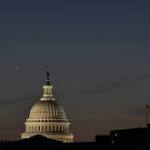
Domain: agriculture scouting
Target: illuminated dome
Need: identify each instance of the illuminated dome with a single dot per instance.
(48, 118)
(47, 110)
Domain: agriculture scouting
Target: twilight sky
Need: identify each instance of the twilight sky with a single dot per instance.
(97, 53)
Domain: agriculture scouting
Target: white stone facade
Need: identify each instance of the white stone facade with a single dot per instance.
(48, 118)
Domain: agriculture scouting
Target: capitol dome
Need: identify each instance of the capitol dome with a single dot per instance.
(47, 110)
(48, 118)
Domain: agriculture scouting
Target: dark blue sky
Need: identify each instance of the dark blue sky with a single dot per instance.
(97, 53)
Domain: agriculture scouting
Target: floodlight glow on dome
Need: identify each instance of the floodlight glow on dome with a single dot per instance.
(48, 118)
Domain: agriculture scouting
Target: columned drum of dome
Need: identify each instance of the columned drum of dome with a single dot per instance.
(48, 118)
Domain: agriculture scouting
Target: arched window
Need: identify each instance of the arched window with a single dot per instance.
(53, 128)
(60, 129)
(42, 129)
(49, 128)
(57, 128)
(56, 113)
(35, 128)
(63, 128)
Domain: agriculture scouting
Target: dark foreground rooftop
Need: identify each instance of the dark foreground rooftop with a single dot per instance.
(40, 142)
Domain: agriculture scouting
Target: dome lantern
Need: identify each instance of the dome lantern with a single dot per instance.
(47, 90)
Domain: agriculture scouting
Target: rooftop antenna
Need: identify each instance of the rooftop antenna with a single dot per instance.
(147, 114)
